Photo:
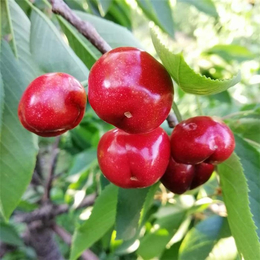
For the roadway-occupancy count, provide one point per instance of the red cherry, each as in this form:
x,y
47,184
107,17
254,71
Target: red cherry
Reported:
x,y
52,104
180,177
134,161
130,89
201,139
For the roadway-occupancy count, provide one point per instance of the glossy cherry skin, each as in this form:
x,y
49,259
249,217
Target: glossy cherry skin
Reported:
x,y
52,104
130,89
179,177
134,161
202,139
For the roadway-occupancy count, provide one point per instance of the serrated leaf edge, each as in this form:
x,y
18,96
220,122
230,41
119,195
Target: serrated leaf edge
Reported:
x,y
182,60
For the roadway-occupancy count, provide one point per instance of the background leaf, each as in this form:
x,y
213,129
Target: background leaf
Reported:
x,y
50,51
231,52
200,240
206,6
250,159
101,220
115,35
18,147
160,13
235,194
247,127
1,102
103,6
130,203
21,34
153,244
185,77
9,235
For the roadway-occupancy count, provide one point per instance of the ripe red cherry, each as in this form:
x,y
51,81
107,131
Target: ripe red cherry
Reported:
x,y
180,177
130,89
52,104
134,161
201,139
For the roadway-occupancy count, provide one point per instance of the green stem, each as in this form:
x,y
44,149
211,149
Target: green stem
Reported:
x,y
11,29
176,112
84,83
199,106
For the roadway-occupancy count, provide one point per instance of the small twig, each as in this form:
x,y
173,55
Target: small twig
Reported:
x,y
66,237
85,28
55,152
49,211
172,119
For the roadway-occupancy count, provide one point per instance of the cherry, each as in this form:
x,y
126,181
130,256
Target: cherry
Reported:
x,y
52,104
180,177
201,139
134,161
130,89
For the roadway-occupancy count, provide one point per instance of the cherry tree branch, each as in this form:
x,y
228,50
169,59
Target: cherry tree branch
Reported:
x,y
49,211
66,237
54,158
85,28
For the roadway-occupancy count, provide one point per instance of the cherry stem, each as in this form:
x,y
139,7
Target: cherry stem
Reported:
x,y
199,105
84,27
176,112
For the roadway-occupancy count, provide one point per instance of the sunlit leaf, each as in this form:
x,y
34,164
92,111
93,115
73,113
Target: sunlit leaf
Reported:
x,y
185,77
101,220
235,193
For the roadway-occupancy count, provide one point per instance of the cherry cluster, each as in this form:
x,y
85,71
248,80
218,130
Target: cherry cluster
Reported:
x,y
131,90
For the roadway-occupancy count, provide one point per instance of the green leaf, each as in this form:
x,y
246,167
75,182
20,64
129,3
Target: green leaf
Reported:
x,y
9,235
82,161
206,6
159,12
232,52
250,160
185,77
131,245
103,6
108,30
1,102
79,44
130,203
247,127
226,249
18,147
115,35
21,38
235,194
172,252
49,49
164,15
100,221
153,244
201,239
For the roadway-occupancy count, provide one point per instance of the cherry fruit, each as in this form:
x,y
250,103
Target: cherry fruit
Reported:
x,y
52,104
201,139
179,177
130,89
134,161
